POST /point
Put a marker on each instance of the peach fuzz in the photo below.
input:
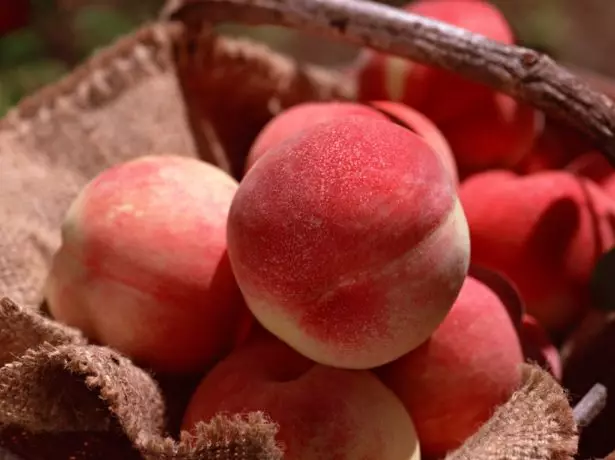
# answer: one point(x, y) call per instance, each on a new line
point(545, 232)
point(453, 382)
point(296, 118)
point(497, 133)
point(143, 266)
point(438, 94)
point(417, 122)
point(349, 242)
point(322, 412)
point(537, 346)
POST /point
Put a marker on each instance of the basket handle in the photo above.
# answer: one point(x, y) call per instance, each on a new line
point(520, 72)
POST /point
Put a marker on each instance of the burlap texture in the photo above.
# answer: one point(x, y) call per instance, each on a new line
point(162, 90)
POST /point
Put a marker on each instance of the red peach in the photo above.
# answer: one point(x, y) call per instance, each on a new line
point(498, 133)
point(471, 364)
point(438, 94)
point(348, 242)
point(421, 125)
point(594, 165)
point(545, 232)
point(143, 265)
point(538, 346)
point(322, 412)
point(293, 120)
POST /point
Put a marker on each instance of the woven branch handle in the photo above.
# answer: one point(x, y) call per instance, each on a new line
point(522, 73)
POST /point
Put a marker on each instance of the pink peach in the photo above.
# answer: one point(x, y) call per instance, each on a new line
point(143, 265)
point(453, 382)
point(322, 413)
point(349, 242)
point(438, 94)
point(543, 231)
point(296, 118)
point(497, 133)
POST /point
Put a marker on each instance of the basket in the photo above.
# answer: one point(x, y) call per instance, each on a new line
point(174, 86)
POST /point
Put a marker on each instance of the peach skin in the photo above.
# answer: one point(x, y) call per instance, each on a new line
point(349, 242)
point(143, 266)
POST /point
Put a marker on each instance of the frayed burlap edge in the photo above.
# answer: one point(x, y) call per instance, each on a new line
point(66, 385)
point(536, 423)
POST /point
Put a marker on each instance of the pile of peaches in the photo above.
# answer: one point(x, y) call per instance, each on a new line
point(377, 277)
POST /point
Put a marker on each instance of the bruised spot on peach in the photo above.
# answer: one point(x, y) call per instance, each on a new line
point(348, 241)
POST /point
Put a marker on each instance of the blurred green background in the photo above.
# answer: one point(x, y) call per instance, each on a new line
point(40, 40)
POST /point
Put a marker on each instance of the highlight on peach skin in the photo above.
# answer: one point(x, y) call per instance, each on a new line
point(322, 412)
point(349, 242)
point(470, 365)
point(143, 265)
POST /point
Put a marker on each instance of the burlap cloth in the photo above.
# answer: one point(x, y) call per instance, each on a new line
point(161, 90)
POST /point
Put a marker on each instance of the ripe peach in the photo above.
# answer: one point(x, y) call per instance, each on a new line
point(452, 383)
point(421, 125)
point(299, 117)
point(322, 412)
point(497, 133)
point(143, 265)
point(545, 232)
point(348, 242)
point(438, 94)
point(538, 347)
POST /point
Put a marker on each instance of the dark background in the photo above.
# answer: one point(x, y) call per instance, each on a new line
point(40, 40)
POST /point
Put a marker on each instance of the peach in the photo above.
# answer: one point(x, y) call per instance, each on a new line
point(348, 242)
point(471, 364)
point(322, 412)
point(538, 347)
point(299, 117)
point(438, 94)
point(421, 125)
point(545, 232)
point(143, 266)
point(497, 133)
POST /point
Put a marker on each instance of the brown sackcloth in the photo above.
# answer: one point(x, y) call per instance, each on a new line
point(161, 90)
